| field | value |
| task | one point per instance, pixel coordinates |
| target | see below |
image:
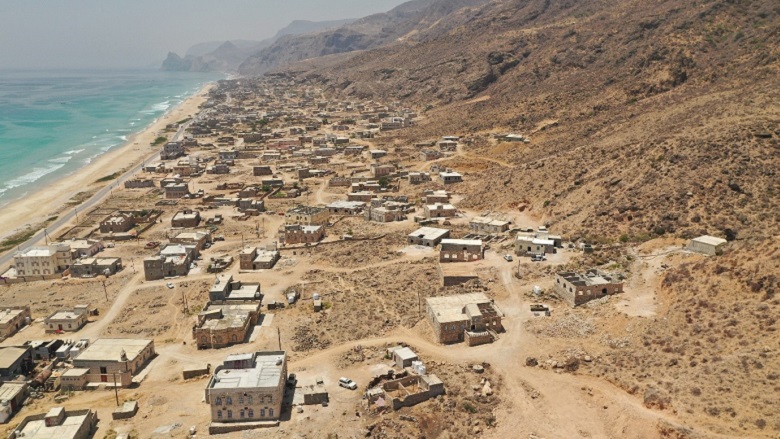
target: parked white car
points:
(347, 383)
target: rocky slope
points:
(411, 21)
(229, 55)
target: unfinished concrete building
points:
(473, 318)
(292, 234)
(255, 258)
(579, 288)
(461, 250)
(91, 267)
(173, 260)
(307, 216)
(707, 245)
(439, 210)
(186, 218)
(247, 391)
(12, 319)
(487, 225)
(406, 392)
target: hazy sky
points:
(139, 33)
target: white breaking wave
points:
(31, 177)
(73, 151)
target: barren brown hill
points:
(645, 118)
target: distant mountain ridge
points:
(227, 56)
(413, 20)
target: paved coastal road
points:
(96, 199)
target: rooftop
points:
(66, 315)
(67, 429)
(233, 316)
(451, 308)
(9, 390)
(9, 355)
(346, 204)
(466, 242)
(110, 349)
(305, 210)
(268, 372)
(8, 314)
(429, 233)
(711, 240)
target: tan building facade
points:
(13, 319)
(464, 317)
(119, 359)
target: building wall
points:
(576, 295)
(17, 322)
(102, 371)
(265, 403)
(704, 248)
(301, 237)
(459, 254)
(66, 324)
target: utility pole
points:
(184, 302)
(279, 337)
(116, 391)
(105, 291)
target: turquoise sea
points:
(55, 122)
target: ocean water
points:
(54, 122)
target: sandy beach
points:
(49, 201)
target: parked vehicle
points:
(169, 285)
(347, 383)
(508, 258)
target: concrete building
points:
(707, 245)
(537, 243)
(83, 248)
(173, 260)
(360, 196)
(262, 171)
(427, 236)
(403, 357)
(121, 222)
(381, 170)
(172, 150)
(439, 210)
(186, 218)
(225, 289)
(197, 238)
(58, 424)
(307, 216)
(12, 396)
(385, 214)
(255, 258)
(461, 250)
(433, 197)
(407, 391)
(75, 379)
(67, 320)
(51, 259)
(12, 319)
(466, 317)
(419, 177)
(226, 323)
(292, 234)
(175, 191)
(346, 207)
(139, 183)
(91, 267)
(487, 225)
(110, 359)
(15, 360)
(247, 389)
(450, 177)
(579, 288)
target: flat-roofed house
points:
(12, 396)
(186, 218)
(346, 207)
(307, 216)
(15, 360)
(67, 320)
(465, 317)
(224, 324)
(197, 238)
(247, 389)
(483, 224)
(427, 236)
(449, 177)
(176, 190)
(291, 234)
(579, 288)
(12, 319)
(84, 248)
(707, 245)
(255, 258)
(172, 150)
(91, 267)
(115, 358)
(439, 210)
(121, 222)
(173, 260)
(433, 197)
(461, 250)
(58, 423)
(51, 259)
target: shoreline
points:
(28, 211)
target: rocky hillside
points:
(646, 119)
(412, 21)
(229, 55)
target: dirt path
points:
(94, 330)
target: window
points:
(218, 401)
(271, 412)
(249, 399)
(219, 413)
(240, 399)
(230, 414)
(241, 414)
(251, 413)
(262, 413)
(229, 400)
